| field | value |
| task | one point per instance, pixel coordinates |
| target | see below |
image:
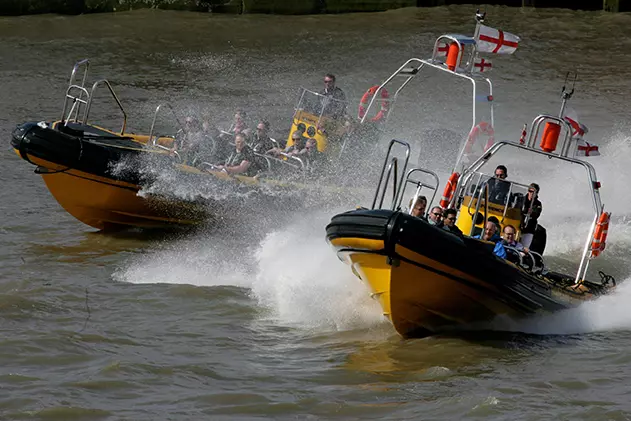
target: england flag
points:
(491, 40)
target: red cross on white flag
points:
(442, 49)
(586, 149)
(481, 64)
(578, 129)
(491, 40)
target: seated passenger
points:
(418, 207)
(449, 222)
(295, 149)
(312, 153)
(508, 239)
(496, 222)
(242, 160)
(239, 124)
(435, 216)
(490, 234)
(261, 142)
(498, 188)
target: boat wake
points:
(296, 280)
(608, 313)
(293, 278)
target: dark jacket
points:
(246, 154)
(498, 191)
(531, 226)
(454, 230)
(335, 108)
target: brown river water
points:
(259, 320)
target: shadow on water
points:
(447, 355)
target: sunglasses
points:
(531, 191)
(500, 175)
(453, 218)
(437, 214)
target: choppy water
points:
(242, 323)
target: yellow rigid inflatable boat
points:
(97, 175)
(429, 279)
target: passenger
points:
(239, 125)
(449, 222)
(498, 188)
(435, 216)
(311, 152)
(261, 142)
(192, 140)
(418, 207)
(531, 213)
(508, 239)
(496, 222)
(242, 160)
(298, 148)
(207, 148)
(490, 234)
(298, 145)
(336, 105)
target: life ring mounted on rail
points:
(385, 104)
(482, 128)
(449, 191)
(600, 235)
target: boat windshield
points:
(321, 105)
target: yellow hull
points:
(426, 296)
(104, 203)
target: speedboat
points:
(430, 280)
(101, 176)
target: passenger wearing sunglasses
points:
(336, 108)
(449, 222)
(498, 188)
(435, 216)
(530, 214)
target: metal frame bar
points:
(414, 71)
(419, 185)
(153, 124)
(89, 104)
(82, 90)
(591, 174)
(383, 169)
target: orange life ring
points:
(600, 235)
(482, 128)
(385, 105)
(449, 191)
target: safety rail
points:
(390, 165)
(294, 158)
(419, 185)
(566, 142)
(534, 256)
(154, 140)
(79, 96)
(76, 100)
(111, 90)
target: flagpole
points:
(479, 18)
(565, 94)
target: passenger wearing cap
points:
(498, 188)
